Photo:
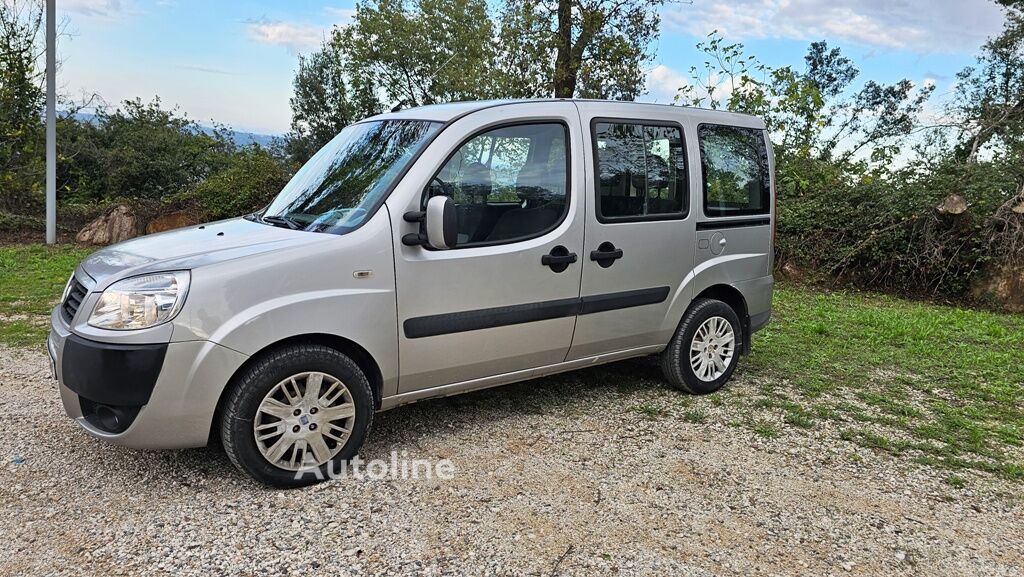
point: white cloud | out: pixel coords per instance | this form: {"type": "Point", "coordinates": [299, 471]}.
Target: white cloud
{"type": "Point", "coordinates": [342, 15]}
{"type": "Point", "coordinates": [922, 25]}
{"type": "Point", "coordinates": [96, 8]}
{"type": "Point", "coordinates": [293, 36]}
{"type": "Point", "coordinates": [298, 37]}
{"type": "Point", "coordinates": [663, 83]}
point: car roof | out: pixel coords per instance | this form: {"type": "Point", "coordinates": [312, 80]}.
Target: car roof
{"type": "Point", "coordinates": [453, 110]}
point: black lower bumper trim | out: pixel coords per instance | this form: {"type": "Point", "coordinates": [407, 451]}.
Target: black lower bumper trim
{"type": "Point", "coordinates": [120, 375]}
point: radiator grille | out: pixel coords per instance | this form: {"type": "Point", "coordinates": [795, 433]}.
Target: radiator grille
{"type": "Point", "coordinates": [69, 307]}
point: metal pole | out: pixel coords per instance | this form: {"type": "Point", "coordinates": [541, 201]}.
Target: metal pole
{"type": "Point", "coordinates": [51, 121]}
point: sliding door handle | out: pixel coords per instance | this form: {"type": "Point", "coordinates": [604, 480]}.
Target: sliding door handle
{"type": "Point", "coordinates": [606, 254]}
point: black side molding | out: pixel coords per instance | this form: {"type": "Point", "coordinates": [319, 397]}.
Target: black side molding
{"type": "Point", "coordinates": [622, 300]}
{"type": "Point", "coordinates": [448, 323]}
{"type": "Point", "coordinates": [733, 223]}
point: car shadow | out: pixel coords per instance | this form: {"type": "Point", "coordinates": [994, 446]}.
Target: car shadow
{"type": "Point", "coordinates": [405, 428]}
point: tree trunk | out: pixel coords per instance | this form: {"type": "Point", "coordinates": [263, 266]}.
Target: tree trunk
{"type": "Point", "coordinates": [565, 77]}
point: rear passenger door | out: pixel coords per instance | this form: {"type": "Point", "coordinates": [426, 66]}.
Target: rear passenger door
{"type": "Point", "coordinates": [638, 236]}
{"type": "Point", "coordinates": [734, 227]}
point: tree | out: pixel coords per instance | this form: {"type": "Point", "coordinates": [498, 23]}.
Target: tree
{"type": "Point", "coordinates": [600, 46]}
{"type": "Point", "coordinates": [416, 52]}
{"type": "Point", "coordinates": [816, 112]}
{"type": "Point", "coordinates": [988, 107]}
{"type": "Point", "coordinates": [21, 103]}
{"type": "Point", "coordinates": [421, 52]}
{"type": "Point", "coordinates": [325, 99]}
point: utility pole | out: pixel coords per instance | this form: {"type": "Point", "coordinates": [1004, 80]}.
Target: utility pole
{"type": "Point", "coordinates": [51, 121]}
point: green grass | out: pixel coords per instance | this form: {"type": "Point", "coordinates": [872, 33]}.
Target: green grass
{"type": "Point", "coordinates": [31, 280]}
{"type": "Point", "coordinates": [937, 385]}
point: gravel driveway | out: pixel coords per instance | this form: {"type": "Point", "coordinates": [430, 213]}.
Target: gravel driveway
{"type": "Point", "coordinates": [556, 476]}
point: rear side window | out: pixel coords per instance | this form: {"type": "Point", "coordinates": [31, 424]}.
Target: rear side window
{"type": "Point", "coordinates": [734, 163]}
{"type": "Point", "coordinates": [641, 171]}
{"type": "Point", "coordinates": [508, 184]}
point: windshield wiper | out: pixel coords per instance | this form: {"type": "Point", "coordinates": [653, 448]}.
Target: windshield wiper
{"type": "Point", "coordinates": [277, 220]}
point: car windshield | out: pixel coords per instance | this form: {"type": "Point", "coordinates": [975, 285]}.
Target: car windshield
{"type": "Point", "coordinates": [345, 181]}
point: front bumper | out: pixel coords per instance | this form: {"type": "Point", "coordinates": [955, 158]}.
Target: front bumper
{"type": "Point", "coordinates": [165, 394]}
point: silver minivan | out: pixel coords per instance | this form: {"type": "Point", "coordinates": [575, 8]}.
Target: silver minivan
{"type": "Point", "coordinates": [424, 253]}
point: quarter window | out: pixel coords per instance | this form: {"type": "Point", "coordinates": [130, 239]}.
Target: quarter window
{"type": "Point", "coordinates": [508, 184]}
{"type": "Point", "coordinates": [641, 171]}
{"type": "Point", "coordinates": [734, 163]}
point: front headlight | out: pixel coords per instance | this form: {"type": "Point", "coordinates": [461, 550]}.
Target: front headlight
{"type": "Point", "coordinates": [141, 302]}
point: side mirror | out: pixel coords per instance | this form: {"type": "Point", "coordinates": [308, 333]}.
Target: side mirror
{"type": "Point", "coordinates": [441, 223]}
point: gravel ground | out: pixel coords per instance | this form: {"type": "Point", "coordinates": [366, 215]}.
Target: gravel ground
{"type": "Point", "coordinates": [553, 477]}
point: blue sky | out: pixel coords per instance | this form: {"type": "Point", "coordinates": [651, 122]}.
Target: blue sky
{"type": "Point", "coordinates": [233, 62]}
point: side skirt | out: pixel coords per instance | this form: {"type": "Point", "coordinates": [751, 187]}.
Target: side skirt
{"type": "Point", "coordinates": [513, 377]}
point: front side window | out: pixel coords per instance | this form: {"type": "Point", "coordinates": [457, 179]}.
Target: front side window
{"type": "Point", "coordinates": [508, 184]}
{"type": "Point", "coordinates": [338, 189]}
{"type": "Point", "coordinates": [735, 165]}
{"type": "Point", "coordinates": [641, 171]}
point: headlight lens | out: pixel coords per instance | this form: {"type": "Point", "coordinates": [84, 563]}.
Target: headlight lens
{"type": "Point", "coordinates": [141, 302]}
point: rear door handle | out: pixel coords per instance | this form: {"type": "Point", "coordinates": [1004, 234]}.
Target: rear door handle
{"type": "Point", "coordinates": [558, 259]}
{"type": "Point", "coordinates": [606, 254]}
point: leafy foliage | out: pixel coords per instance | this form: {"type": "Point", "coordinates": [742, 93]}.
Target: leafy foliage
{"type": "Point", "coordinates": [417, 52]}
{"type": "Point", "coordinates": [21, 103]}
{"type": "Point", "coordinates": [859, 176]}
{"type": "Point", "coordinates": [249, 181]}
{"type": "Point", "coordinates": [137, 151]}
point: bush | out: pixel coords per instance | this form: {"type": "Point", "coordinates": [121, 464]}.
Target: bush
{"type": "Point", "coordinates": [251, 179]}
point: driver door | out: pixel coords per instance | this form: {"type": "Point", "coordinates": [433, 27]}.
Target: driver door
{"type": "Point", "coordinates": [494, 304]}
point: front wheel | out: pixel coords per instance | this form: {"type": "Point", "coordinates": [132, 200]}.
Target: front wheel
{"type": "Point", "coordinates": [703, 353]}
{"type": "Point", "coordinates": [295, 413]}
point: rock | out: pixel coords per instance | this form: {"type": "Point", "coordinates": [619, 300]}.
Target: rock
{"type": "Point", "coordinates": [953, 204]}
{"type": "Point", "coordinates": [1002, 286]}
{"type": "Point", "coordinates": [117, 224]}
{"type": "Point", "coordinates": [791, 271]}
{"type": "Point", "coordinates": [1019, 209]}
{"type": "Point", "coordinates": [170, 222]}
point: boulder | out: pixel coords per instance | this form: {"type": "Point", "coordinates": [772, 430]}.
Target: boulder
{"type": "Point", "coordinates": [116, 224]}
{"type": "Point", "coordinates": [1002, 286]}
{"type": "Point", "coordinates": [791, 271]}
{"type": "Point", "coordinates": [170, 221]}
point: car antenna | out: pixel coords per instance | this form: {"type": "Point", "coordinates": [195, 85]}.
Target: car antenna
{"type": "Point", "coordinates": [401, 103]}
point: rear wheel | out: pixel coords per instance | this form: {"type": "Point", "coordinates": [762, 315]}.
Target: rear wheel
{"type": "Point", "coordinates": [295, 413]}
{"type": "Point", "coordinates": [703, 353]}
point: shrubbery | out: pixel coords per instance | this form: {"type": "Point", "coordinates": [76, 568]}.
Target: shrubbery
{"type": "Point", "coordinates": [864, 185]}
{"type": "Point", "coordinates": [250, 180]}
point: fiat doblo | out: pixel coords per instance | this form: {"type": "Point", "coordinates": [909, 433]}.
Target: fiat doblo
{"type": "Point", "coordinates": [423, 253]}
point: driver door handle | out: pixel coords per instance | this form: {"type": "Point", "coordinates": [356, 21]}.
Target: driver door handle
{"type": "Point", "coordinates": [558, 259]}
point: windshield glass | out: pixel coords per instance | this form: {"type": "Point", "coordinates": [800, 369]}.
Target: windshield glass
{"type": "Point", "coordinates": [338, 188]}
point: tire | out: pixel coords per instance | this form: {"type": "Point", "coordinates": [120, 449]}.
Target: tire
{"type": "Point", "coordinates": [676, 358]}
{"type": "Point", "coordinates": [285, 375]}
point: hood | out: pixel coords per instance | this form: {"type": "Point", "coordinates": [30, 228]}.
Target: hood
{"type": "Point", "coordinates": [192, 247]}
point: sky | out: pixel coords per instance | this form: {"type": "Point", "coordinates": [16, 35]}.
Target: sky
{"type": "Point", "coordinates": [233, 61]}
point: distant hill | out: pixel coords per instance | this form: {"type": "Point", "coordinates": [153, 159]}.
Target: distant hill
{"type": "Point", "coordinates": [240, 138]}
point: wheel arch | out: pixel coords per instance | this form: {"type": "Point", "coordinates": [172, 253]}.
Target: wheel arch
{"type": "Point", "coordinates": [731, 296]}
{"type": "Point", "coordinates": [348, 347]}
